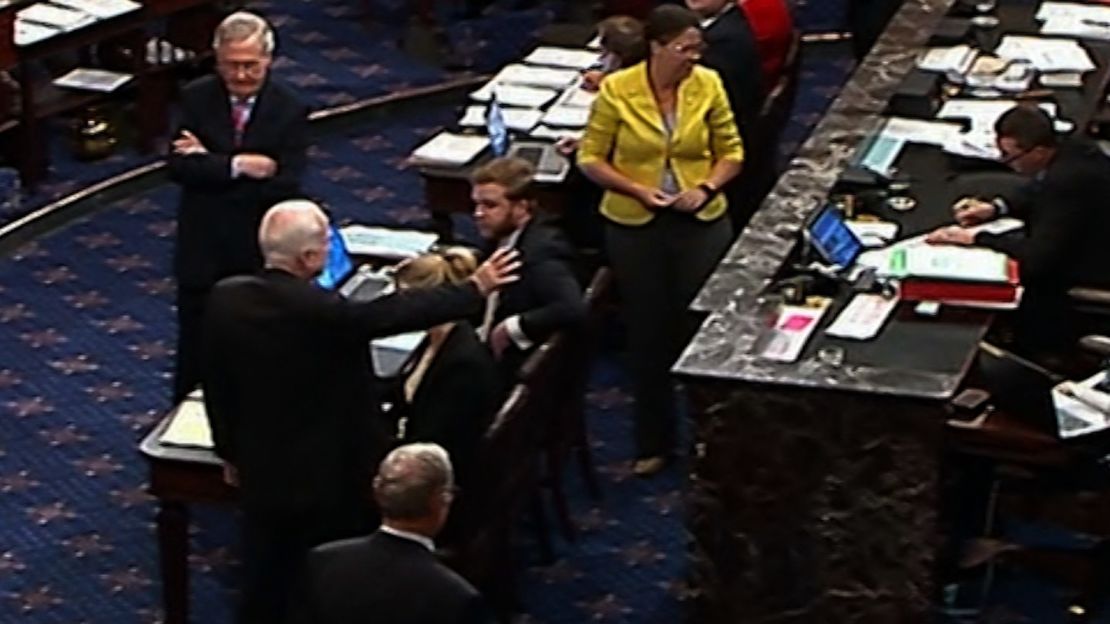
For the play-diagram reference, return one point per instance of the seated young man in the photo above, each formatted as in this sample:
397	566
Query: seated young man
547	297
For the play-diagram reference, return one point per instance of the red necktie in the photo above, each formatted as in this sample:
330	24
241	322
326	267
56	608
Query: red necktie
240	112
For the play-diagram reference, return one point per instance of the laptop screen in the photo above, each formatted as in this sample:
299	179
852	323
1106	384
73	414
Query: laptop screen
832	239
498	131
338	265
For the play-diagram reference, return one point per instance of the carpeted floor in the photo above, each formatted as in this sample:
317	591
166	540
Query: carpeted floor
86	333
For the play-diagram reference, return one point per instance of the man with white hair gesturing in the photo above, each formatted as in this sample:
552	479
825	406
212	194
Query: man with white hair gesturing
240	149
291	397
393	576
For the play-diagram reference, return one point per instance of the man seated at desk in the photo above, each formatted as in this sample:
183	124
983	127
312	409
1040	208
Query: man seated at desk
1066	242
547	298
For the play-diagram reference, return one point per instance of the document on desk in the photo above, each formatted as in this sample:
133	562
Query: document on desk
449	149
547	132
863	317
983	113
515	95
1046	54
27	33
948	59
86	79
1086	21
949	262
57	17
189	425
567	116
792	329
518	119
551	78
380	242
928	132
577	97
101	9
563	57
1080	407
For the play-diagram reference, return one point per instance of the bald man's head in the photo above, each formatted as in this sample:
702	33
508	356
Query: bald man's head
294	237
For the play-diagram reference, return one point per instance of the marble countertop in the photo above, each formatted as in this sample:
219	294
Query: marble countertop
722	348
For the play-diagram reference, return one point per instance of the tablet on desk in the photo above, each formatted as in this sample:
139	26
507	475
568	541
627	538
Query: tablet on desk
831	237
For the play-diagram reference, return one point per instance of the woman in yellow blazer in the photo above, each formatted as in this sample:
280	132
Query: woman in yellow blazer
662	141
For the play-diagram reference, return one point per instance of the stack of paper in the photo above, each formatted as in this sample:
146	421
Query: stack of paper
450	149
56	17
515	95
1087	21
100	80
1046	55
518	119
536	76
950	59
562	57
189	425
101	9
567	116
379	242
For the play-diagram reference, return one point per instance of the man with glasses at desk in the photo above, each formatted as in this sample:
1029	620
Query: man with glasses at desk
240	149
1066	242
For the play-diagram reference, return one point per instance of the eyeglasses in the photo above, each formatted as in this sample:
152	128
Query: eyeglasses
689	49
253	69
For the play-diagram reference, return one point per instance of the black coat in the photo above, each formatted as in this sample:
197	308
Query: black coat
456	400
731	51
218	217
547	297
288	384
1066	242
384	579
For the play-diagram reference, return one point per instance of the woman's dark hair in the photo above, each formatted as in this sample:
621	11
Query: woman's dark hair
668	21
624	36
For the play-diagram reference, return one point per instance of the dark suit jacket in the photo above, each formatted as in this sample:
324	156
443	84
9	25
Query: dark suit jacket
547	297
731	51
384	579
456	400
218	217
289	389
1067	229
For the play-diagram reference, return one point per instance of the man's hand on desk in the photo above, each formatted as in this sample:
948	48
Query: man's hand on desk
971	211
188	143
231	475
951	235
498	270
255	166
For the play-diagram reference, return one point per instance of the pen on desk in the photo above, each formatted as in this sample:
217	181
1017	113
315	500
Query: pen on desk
1096	23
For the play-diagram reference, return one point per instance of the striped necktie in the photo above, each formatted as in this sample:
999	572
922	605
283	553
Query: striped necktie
240	113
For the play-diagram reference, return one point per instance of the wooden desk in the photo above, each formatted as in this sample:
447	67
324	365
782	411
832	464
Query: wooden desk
180	477
189	25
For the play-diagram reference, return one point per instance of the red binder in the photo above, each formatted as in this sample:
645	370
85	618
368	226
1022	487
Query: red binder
965	292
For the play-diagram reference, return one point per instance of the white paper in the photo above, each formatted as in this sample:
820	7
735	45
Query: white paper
865	230
518	74
27	33
971	264
547	132
577	97
55	16
1046	54
921	130
100	80
101	9
595	43
793	327
955	58
383	242
450	149
1084	406
517	119
863	317
189	425
568	116
562	57
514	95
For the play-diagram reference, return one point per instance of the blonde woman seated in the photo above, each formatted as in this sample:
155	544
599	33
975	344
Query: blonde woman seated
452	389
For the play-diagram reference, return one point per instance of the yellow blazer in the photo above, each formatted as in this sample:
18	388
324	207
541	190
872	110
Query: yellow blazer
626	129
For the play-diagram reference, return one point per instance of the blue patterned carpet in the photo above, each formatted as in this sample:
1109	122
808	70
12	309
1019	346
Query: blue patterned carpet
86	333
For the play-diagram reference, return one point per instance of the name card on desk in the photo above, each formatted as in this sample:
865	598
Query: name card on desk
189	425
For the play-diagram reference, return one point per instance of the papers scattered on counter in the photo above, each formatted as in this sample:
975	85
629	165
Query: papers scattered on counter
863	317
983	113
562	57
948	59
189	424
518	119
44	20
577	97
513	95
101	9
547	132
921	130
100	80
1087	21
1046	55
450	149
56	17
364	240
567	116
1080	407
518	74
881	259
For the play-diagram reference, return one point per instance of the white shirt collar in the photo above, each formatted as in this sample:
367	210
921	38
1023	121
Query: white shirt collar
423	540
510	241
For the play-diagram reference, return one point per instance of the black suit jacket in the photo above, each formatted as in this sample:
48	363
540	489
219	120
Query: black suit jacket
732	52
384	579
218	217
1067	229
288	384
547	297
456	400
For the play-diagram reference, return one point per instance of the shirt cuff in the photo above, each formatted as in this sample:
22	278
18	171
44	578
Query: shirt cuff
512	325
235	173
1001	208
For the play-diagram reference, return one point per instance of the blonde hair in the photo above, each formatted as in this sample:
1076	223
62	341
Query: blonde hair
450	265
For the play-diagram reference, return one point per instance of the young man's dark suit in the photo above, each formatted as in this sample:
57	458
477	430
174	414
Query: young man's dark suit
730	50
547	297
218	216
1066	241
293	406
385	579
